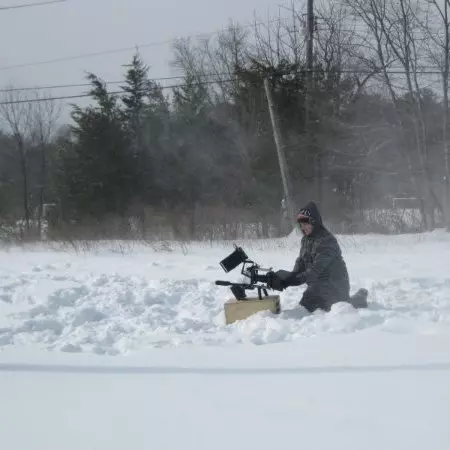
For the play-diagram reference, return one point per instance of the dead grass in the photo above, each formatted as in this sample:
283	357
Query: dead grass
178	231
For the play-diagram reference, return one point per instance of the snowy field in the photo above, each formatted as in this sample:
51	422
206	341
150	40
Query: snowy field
124	347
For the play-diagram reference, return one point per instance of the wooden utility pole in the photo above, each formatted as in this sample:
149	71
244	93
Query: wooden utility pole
274	118
446	196
310	24
310	42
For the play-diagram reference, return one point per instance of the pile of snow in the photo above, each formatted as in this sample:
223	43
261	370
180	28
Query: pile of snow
110	303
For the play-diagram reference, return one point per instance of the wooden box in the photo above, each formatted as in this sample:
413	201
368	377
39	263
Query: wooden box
242	309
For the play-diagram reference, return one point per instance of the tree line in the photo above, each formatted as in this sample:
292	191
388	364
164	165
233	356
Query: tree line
369	124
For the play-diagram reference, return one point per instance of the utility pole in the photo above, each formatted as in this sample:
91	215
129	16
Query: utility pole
309	62
274	118
446	196
310	41
310	24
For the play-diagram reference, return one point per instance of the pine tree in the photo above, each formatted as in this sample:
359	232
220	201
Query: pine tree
97	164
137	89
146	115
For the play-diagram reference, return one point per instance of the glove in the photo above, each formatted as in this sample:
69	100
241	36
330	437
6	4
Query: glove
296	279
274	282
287	278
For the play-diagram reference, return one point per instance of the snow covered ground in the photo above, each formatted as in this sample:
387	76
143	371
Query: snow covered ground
125	347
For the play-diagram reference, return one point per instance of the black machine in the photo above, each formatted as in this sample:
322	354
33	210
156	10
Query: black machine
249	269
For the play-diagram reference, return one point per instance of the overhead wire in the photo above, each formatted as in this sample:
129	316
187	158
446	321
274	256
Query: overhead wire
392	71
64	86
113	93
31	5
126	49
180	85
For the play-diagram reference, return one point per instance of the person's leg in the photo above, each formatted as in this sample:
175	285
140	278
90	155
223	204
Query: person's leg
310	300
359	299
319	297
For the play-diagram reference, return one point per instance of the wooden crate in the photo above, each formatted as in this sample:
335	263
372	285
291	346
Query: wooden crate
242	309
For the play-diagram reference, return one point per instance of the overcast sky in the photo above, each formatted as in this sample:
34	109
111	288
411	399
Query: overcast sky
77	27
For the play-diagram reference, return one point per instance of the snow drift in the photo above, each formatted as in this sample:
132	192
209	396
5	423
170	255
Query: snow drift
109	303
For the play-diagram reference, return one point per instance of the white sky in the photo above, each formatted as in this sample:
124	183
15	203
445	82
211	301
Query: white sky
86	26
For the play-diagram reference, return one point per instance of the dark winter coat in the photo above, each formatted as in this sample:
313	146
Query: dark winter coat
321	266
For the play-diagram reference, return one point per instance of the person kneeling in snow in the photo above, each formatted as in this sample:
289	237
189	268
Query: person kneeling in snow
320	266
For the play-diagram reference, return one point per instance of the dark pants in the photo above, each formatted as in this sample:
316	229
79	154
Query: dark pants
315	299
312	300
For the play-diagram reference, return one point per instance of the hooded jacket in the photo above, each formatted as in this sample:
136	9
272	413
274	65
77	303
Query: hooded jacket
320	263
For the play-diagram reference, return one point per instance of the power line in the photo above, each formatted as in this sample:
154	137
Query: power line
84	55
30	5
62	86
54	86
154	80
427	71
126	49
200	83
69	97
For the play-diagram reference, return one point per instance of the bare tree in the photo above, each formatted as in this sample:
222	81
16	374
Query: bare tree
436	27
15	112
395	36
279	40
44	116
214	59
29	117
338	45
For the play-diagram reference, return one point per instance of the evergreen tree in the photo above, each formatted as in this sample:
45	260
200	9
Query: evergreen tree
97	163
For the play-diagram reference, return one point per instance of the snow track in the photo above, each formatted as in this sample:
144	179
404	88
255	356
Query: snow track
113	304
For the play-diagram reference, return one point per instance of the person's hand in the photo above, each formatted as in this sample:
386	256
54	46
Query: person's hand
288	279
274	282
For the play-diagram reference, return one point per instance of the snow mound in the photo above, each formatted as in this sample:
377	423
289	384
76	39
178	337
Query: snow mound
112	305
117	314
